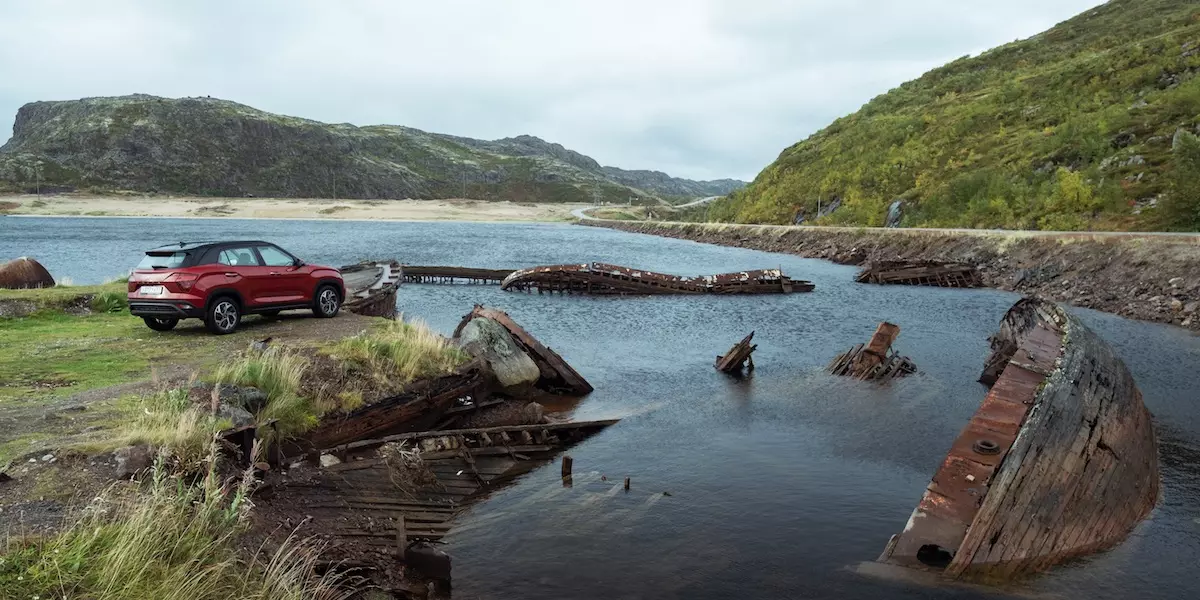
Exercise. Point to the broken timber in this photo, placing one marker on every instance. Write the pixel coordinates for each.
(928, 272)
(738, 356)
(469, 275)
(602, 278)
(1059, 461)
(877, 360)
(556, 375)
(371, 288)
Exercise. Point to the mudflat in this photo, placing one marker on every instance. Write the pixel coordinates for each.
(76, 205)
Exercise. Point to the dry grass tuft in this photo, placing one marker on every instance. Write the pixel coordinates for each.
(401, 352)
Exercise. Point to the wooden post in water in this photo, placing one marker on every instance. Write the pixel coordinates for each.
(567, 463)
(627, 484)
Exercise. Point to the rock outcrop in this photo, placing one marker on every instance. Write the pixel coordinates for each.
(208, 146)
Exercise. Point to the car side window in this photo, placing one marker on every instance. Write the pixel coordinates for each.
(238, 257)
(274, 257)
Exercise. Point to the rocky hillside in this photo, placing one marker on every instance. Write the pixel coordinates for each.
(207, 146)
(1086, 126)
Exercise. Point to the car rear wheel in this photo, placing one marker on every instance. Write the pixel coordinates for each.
(160, 324)
(223, 316)
(327, 303)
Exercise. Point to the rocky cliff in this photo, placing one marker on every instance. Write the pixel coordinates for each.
(208, 146)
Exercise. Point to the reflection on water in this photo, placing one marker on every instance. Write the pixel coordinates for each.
(777, 482)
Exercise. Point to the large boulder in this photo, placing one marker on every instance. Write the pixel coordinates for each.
(132, 461)
(488, 340)
(24, 273)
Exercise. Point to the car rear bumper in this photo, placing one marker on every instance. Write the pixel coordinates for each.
(164, 309)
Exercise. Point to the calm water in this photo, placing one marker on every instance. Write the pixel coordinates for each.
(778, 483)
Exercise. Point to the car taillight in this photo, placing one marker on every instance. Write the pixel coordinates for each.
(184, 280)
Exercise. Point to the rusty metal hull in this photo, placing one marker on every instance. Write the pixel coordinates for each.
(605, 279)
(24, 273)
(371, 287)
(1059, 461)
(931, 273)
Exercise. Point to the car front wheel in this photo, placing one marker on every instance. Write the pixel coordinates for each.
(223, 316)
(327, 303)
(160, 324)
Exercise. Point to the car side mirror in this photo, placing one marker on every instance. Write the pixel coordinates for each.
(297, 263)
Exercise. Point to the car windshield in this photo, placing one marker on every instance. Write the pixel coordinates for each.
(163, 260)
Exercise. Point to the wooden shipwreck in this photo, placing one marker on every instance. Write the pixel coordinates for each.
(1059, 461)
(602, 278)
(467, 275)
(739, 357)
(921, 272)
(876, 360)
(24, 273)
(554, 374)
(371, 288)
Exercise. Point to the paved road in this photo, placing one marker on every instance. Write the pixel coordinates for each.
(1191, 237)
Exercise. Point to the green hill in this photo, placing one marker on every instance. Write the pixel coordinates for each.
(208, 146)
(1086, 126)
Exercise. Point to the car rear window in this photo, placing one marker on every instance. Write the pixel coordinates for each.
(160, 260)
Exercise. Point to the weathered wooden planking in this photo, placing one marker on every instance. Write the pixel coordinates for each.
(1071, 466)
(932, 273)
(737, 357)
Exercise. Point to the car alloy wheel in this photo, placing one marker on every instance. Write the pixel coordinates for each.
(328, 302)
(225, 316)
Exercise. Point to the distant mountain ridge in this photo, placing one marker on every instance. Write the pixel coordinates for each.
(1089, 125)
(208, 146)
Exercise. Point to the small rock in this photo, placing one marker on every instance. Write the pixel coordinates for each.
(1177, 305)
(328, 460)
(47, 457)
(1176, 281)
(1191, 307)
(74, 408)
(249, 398)
(533, 413)
(1187, 322)
(238, 416)
(132, 461)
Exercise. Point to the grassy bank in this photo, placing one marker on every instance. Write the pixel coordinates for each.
(1152, 279)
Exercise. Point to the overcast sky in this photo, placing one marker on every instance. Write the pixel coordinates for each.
(697, 88)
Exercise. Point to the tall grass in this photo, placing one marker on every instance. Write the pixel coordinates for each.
(402, 352)
(278, 373)
(168, 421)
(176, 542)
(109, 302)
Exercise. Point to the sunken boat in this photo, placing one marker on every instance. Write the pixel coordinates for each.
(371, 287)
(605, 279)
(921, 272)
(1059, 461)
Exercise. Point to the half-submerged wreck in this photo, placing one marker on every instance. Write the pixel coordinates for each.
(371, 287)
(921, 272)
(876, 361)
(603, 278)
(1059, 461)
(24, 273)
(738, 358)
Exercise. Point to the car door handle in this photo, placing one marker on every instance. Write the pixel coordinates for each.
(274, 272)
(231, 274)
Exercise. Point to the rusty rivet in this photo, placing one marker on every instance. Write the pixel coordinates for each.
(986, 447)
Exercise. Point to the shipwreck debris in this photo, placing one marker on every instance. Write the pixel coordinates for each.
(555, 375)
(1059, 461)
(602, 278)
(877, 360)
(24, 273)
(921, 272)
(739, 357)
(466, 275)
(371, 288)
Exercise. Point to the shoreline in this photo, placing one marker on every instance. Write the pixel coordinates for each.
(297, 209)
(1147, 278)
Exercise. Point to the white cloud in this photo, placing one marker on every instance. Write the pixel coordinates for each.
(697, 88)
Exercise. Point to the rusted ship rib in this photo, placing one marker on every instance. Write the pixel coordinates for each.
(928, 272)
(1059, 461)
(371, 288)
(468, 275)
(876, 361)
(602, 278)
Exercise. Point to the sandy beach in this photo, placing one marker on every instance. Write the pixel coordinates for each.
(283, 208)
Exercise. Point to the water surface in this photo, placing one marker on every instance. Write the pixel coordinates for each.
(777, 483)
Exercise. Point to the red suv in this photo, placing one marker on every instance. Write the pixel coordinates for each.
(221, 281)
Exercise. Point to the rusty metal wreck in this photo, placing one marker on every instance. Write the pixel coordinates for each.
(603, 278)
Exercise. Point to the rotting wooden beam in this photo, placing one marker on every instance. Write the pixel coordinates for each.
(738, 356)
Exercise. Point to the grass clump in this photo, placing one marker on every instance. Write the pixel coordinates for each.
(109, 302)
(401, 352)
(176, 542)
(278, 373)
(171, 423)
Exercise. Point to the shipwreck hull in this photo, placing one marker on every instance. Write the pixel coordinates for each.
(605, 279)
(371, 288)
(1059, 461)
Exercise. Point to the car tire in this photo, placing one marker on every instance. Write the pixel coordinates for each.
(223, 316)
(326, 302)
(160, 324)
